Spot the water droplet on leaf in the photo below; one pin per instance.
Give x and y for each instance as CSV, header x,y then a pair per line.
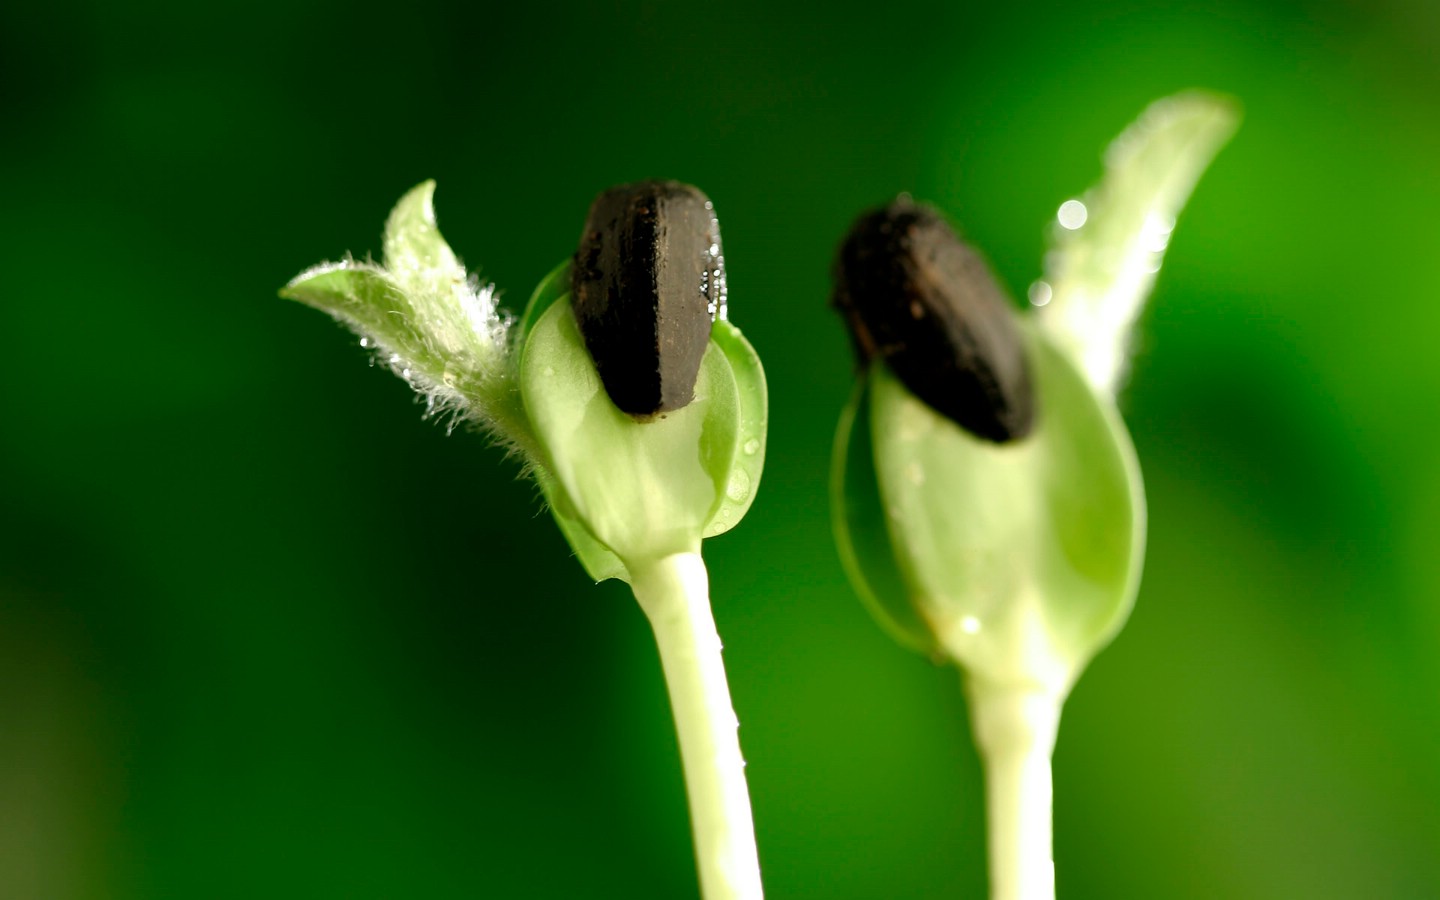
x,y
738,487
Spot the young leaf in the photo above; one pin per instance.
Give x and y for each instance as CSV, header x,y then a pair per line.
x,y
554,286
1107,247
368,300
598,560
643,489
858,520
1022,558
748,454
434,325
416,255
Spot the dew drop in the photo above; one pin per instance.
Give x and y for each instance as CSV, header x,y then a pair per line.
x,y
970,625
751,447
915,423
739,486
1072,214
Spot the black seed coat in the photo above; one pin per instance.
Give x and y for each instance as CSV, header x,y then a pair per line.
x,y
921,300
646,285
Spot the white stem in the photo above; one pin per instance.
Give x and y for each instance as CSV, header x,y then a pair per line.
x,y
675,595
1015,731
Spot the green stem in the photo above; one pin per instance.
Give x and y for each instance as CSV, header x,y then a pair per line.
x,y
1015,732
675,594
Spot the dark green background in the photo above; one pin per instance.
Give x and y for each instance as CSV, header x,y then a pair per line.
x,y
265,633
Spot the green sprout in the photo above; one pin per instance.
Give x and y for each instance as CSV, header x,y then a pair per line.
x,y
635,491
987,501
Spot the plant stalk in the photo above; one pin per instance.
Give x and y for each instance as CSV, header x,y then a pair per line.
x,y
675,595
1015,732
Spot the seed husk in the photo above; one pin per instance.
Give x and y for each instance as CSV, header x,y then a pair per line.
x,y
922,301
647,282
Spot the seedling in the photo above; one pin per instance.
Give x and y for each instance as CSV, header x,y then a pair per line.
x,y
987,501
636,406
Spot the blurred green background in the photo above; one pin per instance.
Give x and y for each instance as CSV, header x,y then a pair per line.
x,y
265,633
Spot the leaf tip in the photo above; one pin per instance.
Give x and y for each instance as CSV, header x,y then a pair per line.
x,y
1202,118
